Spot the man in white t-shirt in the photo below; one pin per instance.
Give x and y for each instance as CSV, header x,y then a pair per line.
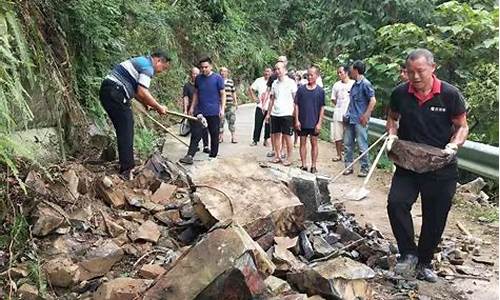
x,y
259,86
281,110
340,98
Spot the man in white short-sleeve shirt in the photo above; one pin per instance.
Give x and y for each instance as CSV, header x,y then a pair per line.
x,y
259,93
281,109
340,98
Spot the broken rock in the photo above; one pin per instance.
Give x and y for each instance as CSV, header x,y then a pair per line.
x,y
48,220
151,271
321,246
163,193
112,195
241,282
220,252
339,278
276,286
100,260
61,272
122,289
148,231
248,195
35,182
27,292
418,157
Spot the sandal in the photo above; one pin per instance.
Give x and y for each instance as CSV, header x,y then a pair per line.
x,y
276,161
286,163
314,170
337,158
303,168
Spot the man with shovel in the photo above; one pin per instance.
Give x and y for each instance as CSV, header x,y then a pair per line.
x,y
130,79
428,111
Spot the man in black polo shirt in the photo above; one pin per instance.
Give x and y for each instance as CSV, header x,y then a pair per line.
x,y
432,112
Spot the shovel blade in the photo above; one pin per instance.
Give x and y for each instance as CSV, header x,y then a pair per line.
x,y
358,195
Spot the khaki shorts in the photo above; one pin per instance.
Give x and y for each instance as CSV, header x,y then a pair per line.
x,y
337,131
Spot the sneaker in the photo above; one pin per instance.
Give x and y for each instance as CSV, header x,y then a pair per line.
x,y
211,158
206,149
270,154
363,173
348,172
253,144
425,272
187,160
406,266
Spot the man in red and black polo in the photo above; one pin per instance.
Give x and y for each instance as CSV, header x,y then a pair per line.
x,y
432,112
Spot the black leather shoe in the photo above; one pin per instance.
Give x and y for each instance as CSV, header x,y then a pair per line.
x,y
406,266
425,272
187,160
206,150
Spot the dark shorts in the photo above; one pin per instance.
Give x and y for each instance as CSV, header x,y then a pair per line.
x,y
282,125
307,131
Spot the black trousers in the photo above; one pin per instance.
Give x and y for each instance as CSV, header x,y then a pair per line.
x,y
436,197
260,116
113,99
197,134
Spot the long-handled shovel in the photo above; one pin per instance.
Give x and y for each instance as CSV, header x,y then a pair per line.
x,y
199,118
361,193
359,157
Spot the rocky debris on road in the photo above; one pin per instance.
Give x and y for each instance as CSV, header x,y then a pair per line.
x,y
223,230
418,157
472,193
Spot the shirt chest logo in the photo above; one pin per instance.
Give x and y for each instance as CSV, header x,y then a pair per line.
x,y
438,109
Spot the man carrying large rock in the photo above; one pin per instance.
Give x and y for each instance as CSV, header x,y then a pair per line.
x,y
431,112
130,79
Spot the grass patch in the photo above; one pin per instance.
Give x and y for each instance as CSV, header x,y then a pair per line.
x,y
144,141
484,214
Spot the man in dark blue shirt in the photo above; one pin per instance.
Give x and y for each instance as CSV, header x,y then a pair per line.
x,y
309,111
362,102
209,99
130,79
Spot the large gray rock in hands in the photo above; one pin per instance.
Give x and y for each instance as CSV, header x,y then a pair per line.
x,y
420,158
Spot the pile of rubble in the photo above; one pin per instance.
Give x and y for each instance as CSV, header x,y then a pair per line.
x,y
472,193
222,230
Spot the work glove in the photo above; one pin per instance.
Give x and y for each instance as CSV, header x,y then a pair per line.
x,y
391,139
451,149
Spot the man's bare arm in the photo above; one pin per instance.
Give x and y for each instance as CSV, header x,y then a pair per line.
x,y
145,97
461,130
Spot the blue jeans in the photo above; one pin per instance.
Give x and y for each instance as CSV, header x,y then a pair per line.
x,y
360,133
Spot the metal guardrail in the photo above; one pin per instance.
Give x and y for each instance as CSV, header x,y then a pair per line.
x,y
478,158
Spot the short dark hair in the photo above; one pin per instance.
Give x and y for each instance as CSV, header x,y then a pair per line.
x,y
402,66
205,59
360,66
316,68
161,55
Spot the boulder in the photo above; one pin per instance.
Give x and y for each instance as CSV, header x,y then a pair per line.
x,y
223,255
338,278
420,158
305,186
240,282
99,260
122,289
61,272
242,191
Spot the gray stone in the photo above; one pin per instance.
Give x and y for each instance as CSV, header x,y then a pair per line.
x,y
276,286
222,251
475,186
420,158
305,187
305,246
321,246
338,278
100,260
